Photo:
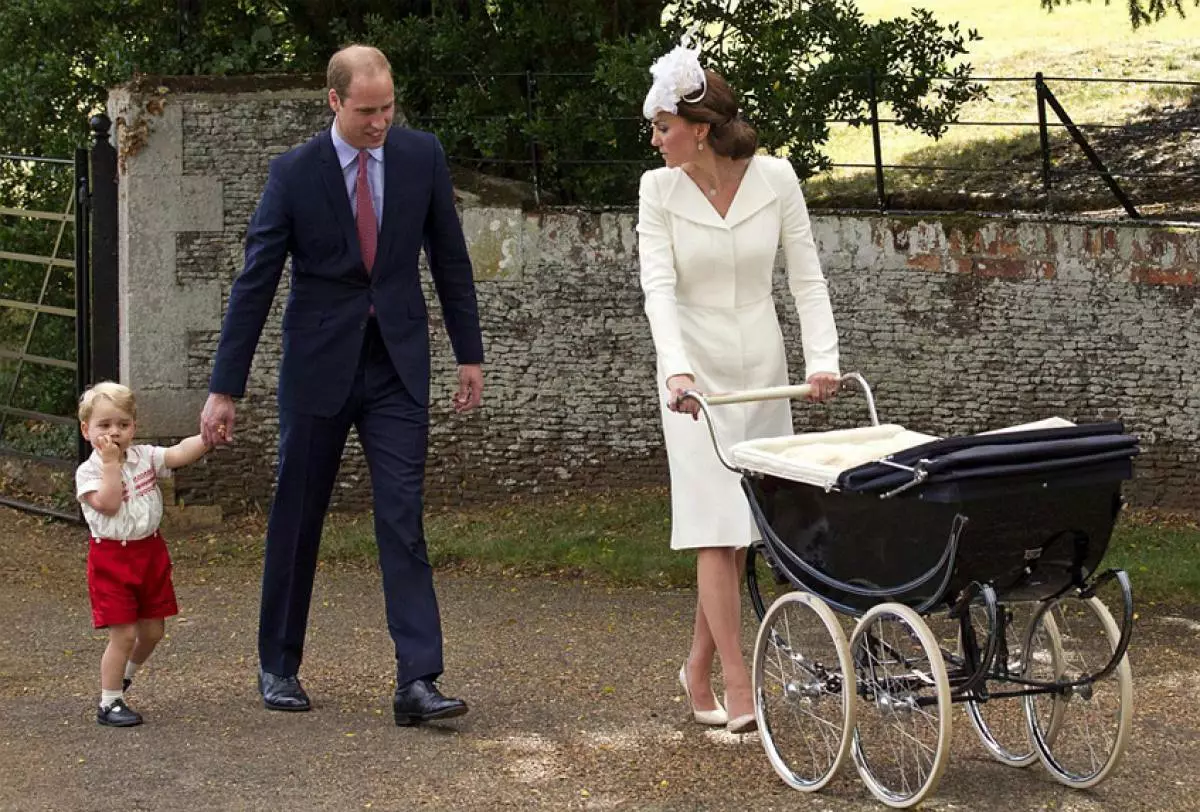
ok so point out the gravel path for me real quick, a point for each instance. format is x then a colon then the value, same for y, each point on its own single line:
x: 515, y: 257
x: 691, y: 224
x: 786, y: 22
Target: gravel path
x: 572, y: 688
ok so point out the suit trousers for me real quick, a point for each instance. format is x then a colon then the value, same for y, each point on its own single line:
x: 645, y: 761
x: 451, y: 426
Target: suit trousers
x: 393, y: 429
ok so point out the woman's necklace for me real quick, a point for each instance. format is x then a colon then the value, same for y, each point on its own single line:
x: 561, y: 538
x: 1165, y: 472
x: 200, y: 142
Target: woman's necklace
x: 712, y: 187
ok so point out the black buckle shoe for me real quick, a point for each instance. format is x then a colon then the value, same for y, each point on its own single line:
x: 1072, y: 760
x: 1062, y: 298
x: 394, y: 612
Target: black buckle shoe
x: 282, y: 693
x: 118, y: 714
x: 421, y: 701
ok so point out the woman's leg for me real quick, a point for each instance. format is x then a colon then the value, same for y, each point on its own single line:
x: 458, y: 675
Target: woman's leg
x: 700, y: 661
x: 718, y: 579
x: 149, y: 632
x: 700, y: 657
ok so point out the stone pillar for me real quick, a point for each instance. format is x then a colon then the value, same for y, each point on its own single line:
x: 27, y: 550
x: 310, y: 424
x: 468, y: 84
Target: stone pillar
x: 157, y: 202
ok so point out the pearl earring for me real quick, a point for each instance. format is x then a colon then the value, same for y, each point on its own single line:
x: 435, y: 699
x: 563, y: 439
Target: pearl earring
x: 700, y: 146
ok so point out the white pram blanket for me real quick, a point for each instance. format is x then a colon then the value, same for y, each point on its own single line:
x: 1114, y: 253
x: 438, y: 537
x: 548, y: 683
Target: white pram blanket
x: 817, y: 458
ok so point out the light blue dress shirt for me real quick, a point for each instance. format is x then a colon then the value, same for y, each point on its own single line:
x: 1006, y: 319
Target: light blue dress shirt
x: 348, y: 159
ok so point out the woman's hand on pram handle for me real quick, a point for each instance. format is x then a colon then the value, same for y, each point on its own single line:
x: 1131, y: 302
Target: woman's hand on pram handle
x: 685, y: 397
x: 824, y: 386
x: 677, y: 385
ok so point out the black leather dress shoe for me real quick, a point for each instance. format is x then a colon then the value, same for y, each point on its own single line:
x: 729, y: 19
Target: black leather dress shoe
x: 118, y: 714
x: 421, y: 701
x: 282, y: 693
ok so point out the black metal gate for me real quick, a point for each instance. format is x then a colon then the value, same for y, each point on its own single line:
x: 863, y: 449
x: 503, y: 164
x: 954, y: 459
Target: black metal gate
x: 58, y: 315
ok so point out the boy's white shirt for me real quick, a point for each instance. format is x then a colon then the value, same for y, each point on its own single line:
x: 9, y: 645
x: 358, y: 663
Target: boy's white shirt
x: 141, y: 500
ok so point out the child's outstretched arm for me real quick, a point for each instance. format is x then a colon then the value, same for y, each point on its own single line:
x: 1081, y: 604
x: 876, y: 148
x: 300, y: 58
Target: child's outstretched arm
x: 185, y: 452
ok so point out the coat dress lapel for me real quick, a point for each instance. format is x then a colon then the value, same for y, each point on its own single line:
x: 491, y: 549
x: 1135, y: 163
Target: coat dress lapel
x: 684, y: 199
x: 755, y: 194
x: 687, y: 201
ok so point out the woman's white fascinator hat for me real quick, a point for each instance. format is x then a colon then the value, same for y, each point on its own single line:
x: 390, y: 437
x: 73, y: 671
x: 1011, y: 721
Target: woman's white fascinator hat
x: 678, y: 76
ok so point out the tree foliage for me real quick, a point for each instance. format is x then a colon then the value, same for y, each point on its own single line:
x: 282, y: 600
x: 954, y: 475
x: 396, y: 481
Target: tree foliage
x: 501, y: 81
x: 1141, y: 12
x: 798, y: 64
x: 795, y: 65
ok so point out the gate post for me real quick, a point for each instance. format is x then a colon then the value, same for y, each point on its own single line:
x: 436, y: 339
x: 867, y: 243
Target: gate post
x: 105, y: 295
x: 83, y: 296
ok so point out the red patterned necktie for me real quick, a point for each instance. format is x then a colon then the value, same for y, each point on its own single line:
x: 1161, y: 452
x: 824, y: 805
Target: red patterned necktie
x: 365, y: 223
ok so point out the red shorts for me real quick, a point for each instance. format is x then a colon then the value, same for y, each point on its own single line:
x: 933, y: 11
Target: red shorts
x: 129, y: 582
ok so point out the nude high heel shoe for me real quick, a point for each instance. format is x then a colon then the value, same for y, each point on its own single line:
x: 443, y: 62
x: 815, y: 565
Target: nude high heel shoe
x: 746, y: 723
x: 713, y: 718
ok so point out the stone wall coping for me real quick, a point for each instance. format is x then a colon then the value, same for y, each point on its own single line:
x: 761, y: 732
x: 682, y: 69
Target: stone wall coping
x: 151, y: 84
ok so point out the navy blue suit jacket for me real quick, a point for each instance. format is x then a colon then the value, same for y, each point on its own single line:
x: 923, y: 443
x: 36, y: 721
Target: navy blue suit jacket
x: 305, y: 212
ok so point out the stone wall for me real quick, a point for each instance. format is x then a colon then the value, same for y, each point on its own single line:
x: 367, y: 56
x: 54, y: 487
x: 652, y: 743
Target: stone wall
x: 965, y: 325
x: 961, y: 324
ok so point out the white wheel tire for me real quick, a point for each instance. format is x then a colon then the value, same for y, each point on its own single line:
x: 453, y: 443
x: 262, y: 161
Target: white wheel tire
x: 761, y: 644
x: 1123, y: 674
x: 937, y: 667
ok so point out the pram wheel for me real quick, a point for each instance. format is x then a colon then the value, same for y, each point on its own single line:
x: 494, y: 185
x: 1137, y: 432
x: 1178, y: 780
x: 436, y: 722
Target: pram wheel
x: 902, y: 723
x: 803, y: 690
x: 1080, y: 732
x: 1001, y: 723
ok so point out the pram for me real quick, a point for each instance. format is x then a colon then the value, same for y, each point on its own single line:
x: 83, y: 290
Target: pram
x: 1003, y: 532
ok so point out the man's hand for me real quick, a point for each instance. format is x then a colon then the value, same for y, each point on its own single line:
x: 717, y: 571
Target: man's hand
x: 217, y: 420
x: 470, y: 388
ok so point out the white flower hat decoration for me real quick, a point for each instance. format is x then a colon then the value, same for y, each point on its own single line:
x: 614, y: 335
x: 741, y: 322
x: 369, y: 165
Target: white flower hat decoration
x: 678, y: 76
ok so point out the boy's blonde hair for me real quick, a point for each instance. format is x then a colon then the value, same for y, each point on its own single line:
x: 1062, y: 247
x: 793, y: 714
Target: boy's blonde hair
x: 119, y: 395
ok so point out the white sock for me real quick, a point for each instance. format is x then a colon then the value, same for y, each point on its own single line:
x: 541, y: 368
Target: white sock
x: 107, y: 698
x: 130, y: 669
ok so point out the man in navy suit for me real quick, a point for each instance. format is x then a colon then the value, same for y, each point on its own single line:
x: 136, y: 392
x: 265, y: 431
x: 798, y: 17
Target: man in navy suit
x: 353, y: 207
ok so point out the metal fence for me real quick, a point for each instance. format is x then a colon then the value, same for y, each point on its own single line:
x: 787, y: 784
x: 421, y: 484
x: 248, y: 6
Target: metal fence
x: 1090, y: 153
x: 1069, y: 157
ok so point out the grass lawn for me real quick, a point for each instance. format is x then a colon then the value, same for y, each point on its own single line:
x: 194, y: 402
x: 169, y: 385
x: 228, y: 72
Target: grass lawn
x: 1161, y: 555
x: 624, y: 538
x: 1085, y: 40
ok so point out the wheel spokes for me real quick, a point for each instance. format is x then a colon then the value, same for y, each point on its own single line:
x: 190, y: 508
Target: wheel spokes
x: 804, y: 716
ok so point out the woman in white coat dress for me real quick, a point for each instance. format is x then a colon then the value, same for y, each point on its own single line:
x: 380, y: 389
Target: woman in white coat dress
x: 709, y: 226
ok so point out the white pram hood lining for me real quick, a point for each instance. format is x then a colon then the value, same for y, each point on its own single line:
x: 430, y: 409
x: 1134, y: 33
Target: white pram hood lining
x: 818, y: 458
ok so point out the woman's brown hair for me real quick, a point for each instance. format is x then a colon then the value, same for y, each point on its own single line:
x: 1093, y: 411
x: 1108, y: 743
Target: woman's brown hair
x: 729, y: 134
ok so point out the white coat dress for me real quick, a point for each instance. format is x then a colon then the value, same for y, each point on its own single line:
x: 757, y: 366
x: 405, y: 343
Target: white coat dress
x: 708, y: 289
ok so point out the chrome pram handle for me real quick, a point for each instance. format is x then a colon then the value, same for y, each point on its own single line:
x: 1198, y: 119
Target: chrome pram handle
x: 771, y: 393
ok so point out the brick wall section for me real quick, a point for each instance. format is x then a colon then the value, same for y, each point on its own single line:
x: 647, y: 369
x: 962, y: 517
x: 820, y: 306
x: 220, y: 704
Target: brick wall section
x: 961, y: 324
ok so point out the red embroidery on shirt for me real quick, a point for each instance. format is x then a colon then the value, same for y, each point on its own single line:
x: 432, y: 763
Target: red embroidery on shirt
x: 145, y: 482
